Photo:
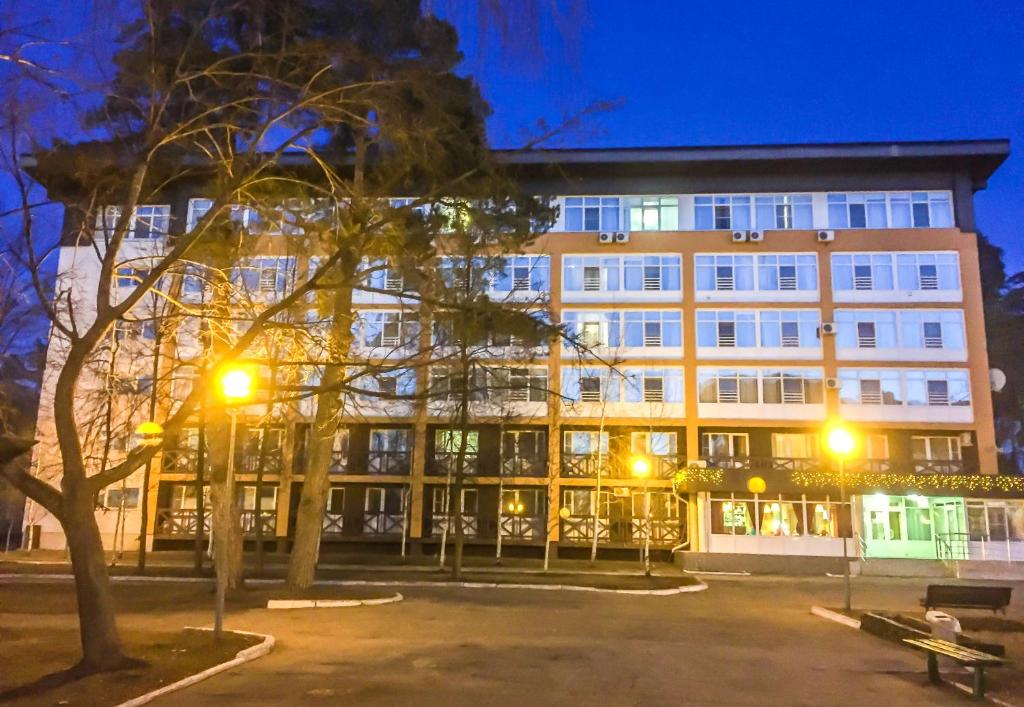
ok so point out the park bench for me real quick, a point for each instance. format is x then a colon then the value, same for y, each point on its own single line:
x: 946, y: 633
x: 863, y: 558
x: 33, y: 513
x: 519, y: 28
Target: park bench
x: 969, y: 657
x: 964, y: 596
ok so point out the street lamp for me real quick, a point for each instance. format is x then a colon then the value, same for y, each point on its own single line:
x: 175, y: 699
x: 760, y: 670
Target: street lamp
x: 841, y: 444
x: 235, y: 385
x: 641, y: 467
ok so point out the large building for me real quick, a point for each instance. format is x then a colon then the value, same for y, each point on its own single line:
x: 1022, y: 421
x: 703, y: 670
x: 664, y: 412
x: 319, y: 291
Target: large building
x: 748, y: 295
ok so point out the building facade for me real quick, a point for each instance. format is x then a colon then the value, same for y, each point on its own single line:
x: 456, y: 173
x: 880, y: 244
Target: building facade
x: 746, y: 297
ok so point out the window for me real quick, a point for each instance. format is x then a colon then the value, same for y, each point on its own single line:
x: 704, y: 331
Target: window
x: 384, y: 384
x: 724, y: 329
x: 448, y: 384
x: 794, y: 445
x: 787, y: 515
x: 791, y: 388
x: 653, y: 329
x: 582, y: 502
x: 134, y: 329
x: 530, y: 444
x: 383, y: 329
x: 876, y: 446
x: 336, y: 500
x: 654, y: 389
x: 866, y: 338
x: 523, y: 274
x: 724, y: 444
x: 660, y: 444
x: 584, y: 442
x: 147, y: 222
x: 116, y: 496
x: 789, y: 329
x: 905, y: 272
x: 654, y: 213
x: 439, y: 502
x: 131, y: 276
x: 449, y: 441
x: 390, y: 440
x: 590, y: 389
x: 932, y: 387
x: 384, y: 277
x: 772, y: 273
x: 787, y: 387
x: 935, y: 448
x: 723, y: 212
x: 266, y: 274
x: 727, y: 386
x: 631, y: 273
x: 652, y: 385
x: 592, y: 213
x: 907, y: 330
x: 521, y: 384
x: 783, y: 211
x: 894, y: 210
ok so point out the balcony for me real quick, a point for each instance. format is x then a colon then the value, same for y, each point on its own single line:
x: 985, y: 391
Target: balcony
x: 621, y: 530
x: 767, y: 464
x: 942, y: 466
x: 580, y: 529
x: 470, y: 526
x: 524, y: 466
x: 380, y: 524
x: 396, y: 463
x: 663, y: 531
x: 182, y: 522
x: 446, y: 462
x: 585, y: 466
x: 522, y: 527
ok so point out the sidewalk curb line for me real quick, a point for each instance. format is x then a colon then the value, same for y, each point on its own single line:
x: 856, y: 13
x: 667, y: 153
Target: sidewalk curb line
x: 668, y: 591
x: 743, y: 573
x: 824, y: 613
x: 970, y: 691
x: 331, y: 603
x: 243, y: 656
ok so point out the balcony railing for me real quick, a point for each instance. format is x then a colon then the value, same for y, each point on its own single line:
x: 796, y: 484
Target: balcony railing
x: 268, y: 519
x: 470, y: 525
x: 583, y: 465
x: 339, y: 462
x: 578, y: 529
x: 524, y: 466
x: 522, y: 527
x: 389, y: 462
x: 333, y: 523
x: 250, y: 463
x: 941, y: 466
x: 769, y: 463
x: 377, y: 523
x: 180, y: 522
x: 446, y: 462
x: 180, y: 461
x: 663, y: 531
x: 868, y: 466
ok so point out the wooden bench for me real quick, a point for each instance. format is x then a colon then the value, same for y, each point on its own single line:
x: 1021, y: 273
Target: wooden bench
x: 965, y: 596
x: 977, y: 660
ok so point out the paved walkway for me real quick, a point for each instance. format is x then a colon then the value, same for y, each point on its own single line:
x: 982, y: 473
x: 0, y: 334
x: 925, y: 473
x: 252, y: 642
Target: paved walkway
x: 741, y: 643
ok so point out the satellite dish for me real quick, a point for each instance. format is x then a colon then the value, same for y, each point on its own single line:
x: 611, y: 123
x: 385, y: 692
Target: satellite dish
x: 996, y: 379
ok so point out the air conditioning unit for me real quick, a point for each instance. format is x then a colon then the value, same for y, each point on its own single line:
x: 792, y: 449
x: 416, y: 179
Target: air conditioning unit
x: 755, y: 236
x: 622, y: 237
x: 825, y: 236
x: 832, y: 383
x: 606, y: 237
x: 739, y: 236
x: 966, y: 439
x: 828, y: 328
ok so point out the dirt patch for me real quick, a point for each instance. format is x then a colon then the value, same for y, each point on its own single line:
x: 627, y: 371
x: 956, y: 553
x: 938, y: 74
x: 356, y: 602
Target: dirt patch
x: 35, y: 664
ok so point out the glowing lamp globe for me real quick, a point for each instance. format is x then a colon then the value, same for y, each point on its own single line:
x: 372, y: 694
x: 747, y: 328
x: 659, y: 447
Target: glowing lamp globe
x: 841, y: 442
x: 755, y: 484
x: 641, y: 467
x: 236, y: 385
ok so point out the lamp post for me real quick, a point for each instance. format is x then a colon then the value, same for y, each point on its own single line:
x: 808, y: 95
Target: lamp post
x: 841, y: 444
x: 235, y: 389
x: 150, y: 434
x: 641, y: 467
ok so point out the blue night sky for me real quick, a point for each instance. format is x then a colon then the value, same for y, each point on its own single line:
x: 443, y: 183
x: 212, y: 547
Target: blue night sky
x: 729, y: 72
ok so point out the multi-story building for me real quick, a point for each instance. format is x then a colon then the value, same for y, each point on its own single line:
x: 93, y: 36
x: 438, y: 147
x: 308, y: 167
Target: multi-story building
x: 747, y: 296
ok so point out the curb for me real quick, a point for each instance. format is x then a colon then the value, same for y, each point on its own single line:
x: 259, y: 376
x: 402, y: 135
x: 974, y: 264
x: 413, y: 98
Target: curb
x: 668, y: 591
x: 824, y: 613
x: 243, y: 656
x: 331, y: 603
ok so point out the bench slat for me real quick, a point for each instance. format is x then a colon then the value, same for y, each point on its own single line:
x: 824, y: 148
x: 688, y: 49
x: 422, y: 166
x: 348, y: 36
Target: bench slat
x: 967, y: 656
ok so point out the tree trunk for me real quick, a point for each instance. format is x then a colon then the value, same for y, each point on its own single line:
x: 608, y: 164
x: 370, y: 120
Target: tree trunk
x: 101, y: 643
x: 225, y: 525
x: 316, y: 482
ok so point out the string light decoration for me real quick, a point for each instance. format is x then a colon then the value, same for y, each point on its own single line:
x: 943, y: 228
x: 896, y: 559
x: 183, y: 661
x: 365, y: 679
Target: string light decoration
x: 887, y: 481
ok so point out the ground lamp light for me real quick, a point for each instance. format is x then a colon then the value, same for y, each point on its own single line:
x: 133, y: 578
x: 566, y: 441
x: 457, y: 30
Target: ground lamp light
x: 641, y: 468
x: 235, y: 386
x: 841, y: 444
